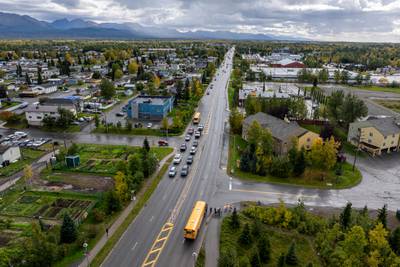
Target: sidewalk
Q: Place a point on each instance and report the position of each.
(111, 230)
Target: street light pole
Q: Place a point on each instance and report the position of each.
(85, 247)
(194, 254)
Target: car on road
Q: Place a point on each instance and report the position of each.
(120, 114)
(190, 131)
(195, 143)
(177, 158)
(183, 147)
(193, 150)
(185, 170)
(197, 135)
(200, 128)
(187, 138)
(162, 143)
(149, 125)
(189, 160)
(208, 92)
(172, 171)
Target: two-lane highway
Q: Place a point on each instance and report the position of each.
(156, 236)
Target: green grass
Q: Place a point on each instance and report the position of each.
(29, 156)
(390, 104)
(311, 178)
(7, 104)
(377, 88)
(280, 242)
(201, 258)
(70, 129)
(134, 131)
(230, 95)
(142, 200)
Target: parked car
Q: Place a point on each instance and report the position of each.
(120, 114)
(187, 138)
(195, 143)
(177, 158)
(185, 170)
(189, 160)
(172, 171)
(183, 147)
(162, 143)
(193, 150)
(149, 125)
(197, 135)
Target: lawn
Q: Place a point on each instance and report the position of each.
(6, 104)
(134, 131)
(377, 88)
(104, 159)
(280, 241)
(310, 178)
(29, 156)
(390, 104)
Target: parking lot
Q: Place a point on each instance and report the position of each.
(22, 139)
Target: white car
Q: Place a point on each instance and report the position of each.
(177, 159)
(172, 172)
(149, 125)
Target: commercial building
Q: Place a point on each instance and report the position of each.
(149, 107)
(283, 132)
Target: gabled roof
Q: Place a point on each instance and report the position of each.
(279, 129)
(387, 126)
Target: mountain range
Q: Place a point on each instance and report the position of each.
(14, 26)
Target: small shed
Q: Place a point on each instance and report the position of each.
(72, 161)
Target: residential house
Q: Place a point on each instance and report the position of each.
(149, 107)
(9, 154)
(283, 132)
(42, 89)
(375, 135)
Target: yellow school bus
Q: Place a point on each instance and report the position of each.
(196, 118)
(193, 225)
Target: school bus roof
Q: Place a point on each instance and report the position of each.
(196, 216)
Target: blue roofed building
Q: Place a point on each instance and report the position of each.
(153, 108)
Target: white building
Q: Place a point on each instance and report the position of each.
(9, 154)
(35, 114)
(44, 89)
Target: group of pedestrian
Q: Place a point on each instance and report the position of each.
(218, 211)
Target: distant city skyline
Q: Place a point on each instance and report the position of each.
(325, 20)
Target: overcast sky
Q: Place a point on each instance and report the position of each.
(342, 20)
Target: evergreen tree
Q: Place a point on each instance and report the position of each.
(235, 222)
(255, 259)
(227, 258)
(395, 241)
(146, 145)
(291, 257)
(300, 163)
(27, 79)
(264, 249)
(68, 233)
(345, 216)
(39, 79)
(245, 237)
(281, 260)
(382, 216)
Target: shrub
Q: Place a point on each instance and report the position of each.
(398, 215)
(98, 215)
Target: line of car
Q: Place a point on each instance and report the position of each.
(19, 139)
(184, 146)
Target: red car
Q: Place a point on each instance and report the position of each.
(162, 143)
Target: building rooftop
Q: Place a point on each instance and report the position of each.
(386, 126)
(155, 100)
(280, 129)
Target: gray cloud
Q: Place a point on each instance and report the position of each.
(348, 20)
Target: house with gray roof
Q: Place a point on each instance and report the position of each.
(283, 132)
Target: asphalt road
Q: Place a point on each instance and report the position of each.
(174, 198)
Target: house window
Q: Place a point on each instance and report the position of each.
(38, 117)
(369, 140)
(393, 135)
(370, 134)
(384, 144)
(30, 117)
(392, 142)
(308, 139)
(307, 146)
(52, 113)
(385, 137)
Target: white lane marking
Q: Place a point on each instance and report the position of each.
(134, 246)
(230, 183)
